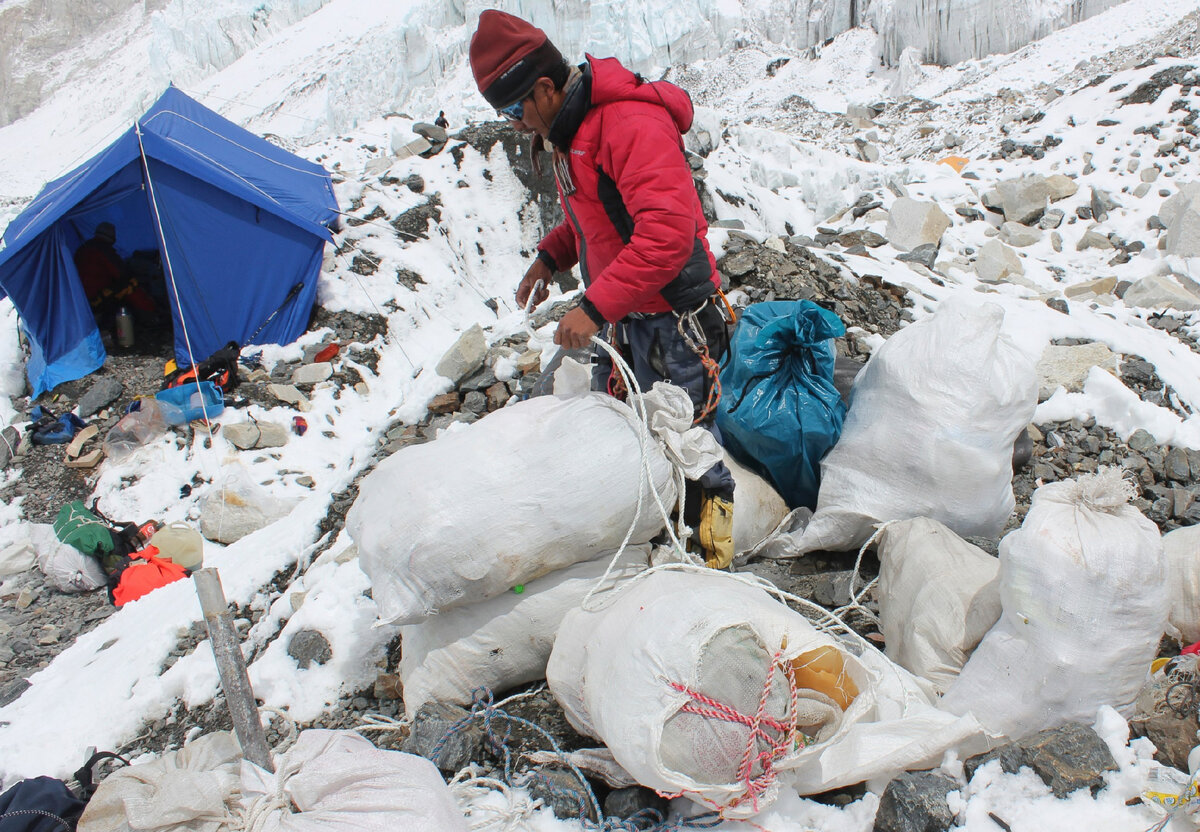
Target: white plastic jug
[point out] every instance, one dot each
(181, 544)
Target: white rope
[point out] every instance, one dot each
(187, 340)
(383, 724)
(856, 598)
(470, 785)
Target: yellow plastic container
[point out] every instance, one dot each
(180, 544)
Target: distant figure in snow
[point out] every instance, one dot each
(441, 121)
(105, 279)
(633, 224)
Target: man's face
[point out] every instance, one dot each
(537, 110)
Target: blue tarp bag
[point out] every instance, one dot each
(182, 404)
(779, 411)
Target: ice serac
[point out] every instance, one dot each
(949, 31)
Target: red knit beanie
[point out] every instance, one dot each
(508, 55)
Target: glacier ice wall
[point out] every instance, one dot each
(48, 45)
(949, 31)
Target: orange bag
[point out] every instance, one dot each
(138, 579)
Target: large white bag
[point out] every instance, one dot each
(1183, 577)
(521, 493)
(938, 596)
(337, 781)
(193, 789)
(65, 567)
(502, 642)
(929, 433)
(757, 507)
(670, 674)
(1083, 586)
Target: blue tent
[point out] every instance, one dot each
(238, 221)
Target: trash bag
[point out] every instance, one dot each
(193, 789)
(780, 412)
(141, 425)
(1083, 587)
(529, 489)
(337, 781)
(758, 509)
(1182, 548)
(39, 804)
(501, 642)
(706, 686)
(235, 506)
(929, 434)
(65, 567)
(938, 595)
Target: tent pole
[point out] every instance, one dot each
(162, 239)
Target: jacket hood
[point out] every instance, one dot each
(613, 82)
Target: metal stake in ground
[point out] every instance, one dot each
(231, 665)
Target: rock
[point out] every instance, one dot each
(475, 402)
(288, 394)
(832, 589)
(1164, 292)
(625, 803)
(1067, 758)
(916, 801)
(230, 512)
(104, 392)
(1062, 366)
(735, 225)
(1101, 203)
(951, 140)
(1142, 189)
(1183, 232)
(1018, 235)
(529, 361)
(1051, 219)
(1150, 174)
(414, 183)
(997, 261)
(1173, 205)
(925, 254)
(968, 213)
(1173, 737)
(1059, 305)
(1023, 200)
(498, 395)
(431, 736)
(388, 686)
(309, 647)
(1056, 241)
(248, 435)
(912, 223)
(12, 691)
(1061, 187)
(1093, 239)
(435, 134)
(445, 403)
(1140, 441)
(465, 357)
(738, 264)
(861, 238)
(1091, 288)
(562, 792)
(312, 373)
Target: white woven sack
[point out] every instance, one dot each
(705, 642)
(929, 433)
(65, 567)
(337, 781)
(501, 642)
(527, 490)
(938, 595)
(193, 789)
(757, 507)
(1083, 587)
(1183, 579)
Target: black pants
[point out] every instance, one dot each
(656, 351)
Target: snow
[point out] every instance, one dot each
(315, 74)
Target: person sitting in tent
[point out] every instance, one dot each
(105, 279)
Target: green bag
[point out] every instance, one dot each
(78, 527)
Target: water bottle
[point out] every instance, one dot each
(124, 323)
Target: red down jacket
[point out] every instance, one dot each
(634, 222)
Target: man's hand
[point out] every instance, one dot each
(575, 330)
(538, 271)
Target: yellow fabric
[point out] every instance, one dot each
(716, 532)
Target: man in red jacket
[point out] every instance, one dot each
(633, 224)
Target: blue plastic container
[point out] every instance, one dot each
(184, 403)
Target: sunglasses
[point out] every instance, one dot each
(513, 112)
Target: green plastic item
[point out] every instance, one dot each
(519, 588)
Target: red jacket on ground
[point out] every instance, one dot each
(634, 222)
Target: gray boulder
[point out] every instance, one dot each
(1023, 200)
(309, 647)
(996, 261)
(1018, 235)
(1166, 291)
(916, 801)
(465, 357)
(913, 223)
(1068, 366)
(440, 733)
(1068, 758)
(104, 392)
